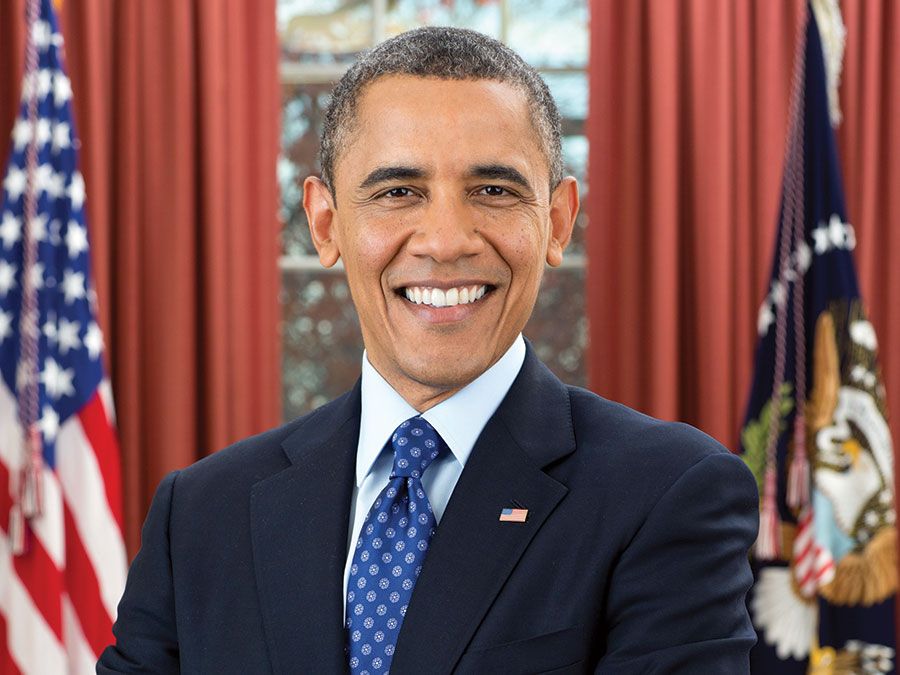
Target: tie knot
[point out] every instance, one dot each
(416, 444)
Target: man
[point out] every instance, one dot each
(460, 510)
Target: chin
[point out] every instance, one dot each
(444, 371)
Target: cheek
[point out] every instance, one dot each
(377, 243)
(522, 245)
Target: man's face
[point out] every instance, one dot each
(444, 220)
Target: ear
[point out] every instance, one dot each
(320, 212)
(563, 210)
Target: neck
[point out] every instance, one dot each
(419, 394)
(423, 393)
(423, 397)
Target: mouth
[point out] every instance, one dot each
(433, 296)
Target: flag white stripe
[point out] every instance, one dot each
(85, 494)
(106, 397)
(31, 642)
(82, 660)
(49, 527)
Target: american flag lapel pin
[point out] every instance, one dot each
(513, 515)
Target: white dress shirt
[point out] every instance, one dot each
(459, 420)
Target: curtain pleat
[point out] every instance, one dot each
(687, 125)
(177, 108)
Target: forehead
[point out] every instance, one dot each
(406, 118)
(395, 91)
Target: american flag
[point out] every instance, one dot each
(513, 515)
(62, 554)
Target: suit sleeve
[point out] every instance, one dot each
(145, 631)
(677, 598)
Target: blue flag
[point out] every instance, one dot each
(815, 433)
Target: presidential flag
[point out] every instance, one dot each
(62, 554)
(815, 433)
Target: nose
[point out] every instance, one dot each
(447, 231)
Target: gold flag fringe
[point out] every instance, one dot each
(867, 577)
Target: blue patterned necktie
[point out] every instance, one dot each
(390, 551)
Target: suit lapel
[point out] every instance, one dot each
(472, 552)
(299, 521)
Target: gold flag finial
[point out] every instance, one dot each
(834, 37)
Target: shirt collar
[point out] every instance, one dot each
(459, 420)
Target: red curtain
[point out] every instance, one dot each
(688, 115)
(177, 109)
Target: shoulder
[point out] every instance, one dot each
(601, 424)
(633, 454)
(254, 458)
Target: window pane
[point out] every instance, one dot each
(321, 346)
(570, 91)
(549, 32)
(575, 149)
(478, 15)
(324, 31)
(302, 118)
(558, 327)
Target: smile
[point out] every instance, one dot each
(439, 297)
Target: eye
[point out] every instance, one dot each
(397, 193)
(495, 195)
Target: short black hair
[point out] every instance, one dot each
(444, 53)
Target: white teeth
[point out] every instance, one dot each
(438, 297)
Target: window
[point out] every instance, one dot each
(319, 40)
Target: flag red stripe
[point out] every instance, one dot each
(823, 571)
(806, 550)
(7, 665)
(84, 590)
(815, 574)
(807, 577)
(5, 497)
(102, 439)
(43, 581)
(36, 570)
(46, 584)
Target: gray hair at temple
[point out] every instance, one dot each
(444, 53)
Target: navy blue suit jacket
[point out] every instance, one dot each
(633, 558)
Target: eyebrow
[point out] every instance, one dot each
(384, 174)
(500, 172)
